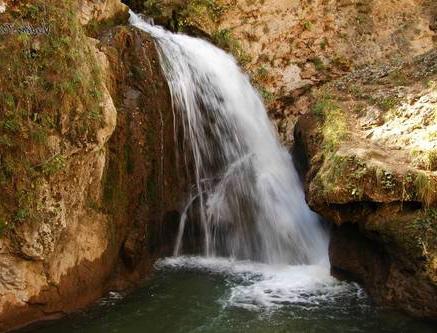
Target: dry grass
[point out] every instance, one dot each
(426, 189)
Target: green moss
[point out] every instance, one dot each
(388, 103)
(39, 135)
(6, 141)
(346, 174)
(152, 8)
(398, 78)
(261, 74)
(203, 14)
(53, 165)
(95, 27)
(11, 125)
(224, 39)
(318, 63)
(266, 95)
(422, 233)
(51, 84)
(334, 124)
(426, 189)
(21, 214)
(324, 43)
(307, 25)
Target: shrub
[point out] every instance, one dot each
(426, 189)
(224, 39)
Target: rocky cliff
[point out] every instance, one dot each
(289, 47)
(88, 195)
(366, 71)
(90, 184)
(369, 145)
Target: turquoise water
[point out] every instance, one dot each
(229, 297)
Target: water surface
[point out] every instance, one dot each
(221, 295)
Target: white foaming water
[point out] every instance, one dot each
(247, 195)
(258, 286)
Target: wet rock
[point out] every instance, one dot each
(101, 219)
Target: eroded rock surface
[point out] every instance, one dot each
(370, 151)
(89, 195)
(290, 47)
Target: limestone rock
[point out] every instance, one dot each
(359, 151)
(100, 10)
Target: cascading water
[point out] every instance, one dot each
(248, 195)
(270, 272)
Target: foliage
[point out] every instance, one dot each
(424, 231)
(334, 124)
(152, 8)
(307, 25)
(50, 83)
(388, 103)
(200, 13)
(318, 63)
(266, 95)
(224, 39)
(426, 188)
(261, 74)
(53, 165)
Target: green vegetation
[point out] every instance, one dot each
(388, 103)
(426, 160)
(398, 78)
(334, 124)
(152, 8)
(426, 189)
(318, 63)
(21, 214)
(307, 25)
(346, 174)
(261, 74)
(324, 43)
(51, 85)
(426, 221)
(53, 165)
(224, 39)
(267, 96)
(195, 13)
(386, 179)
(423, 230)
(431, 160)
(341, 63)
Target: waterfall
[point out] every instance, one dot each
(246, 193)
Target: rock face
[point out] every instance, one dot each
(296, 45)
(100, 10)
(90, 183)
(145, 183)
(369, 148)
(89, 197)
(291, 46)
